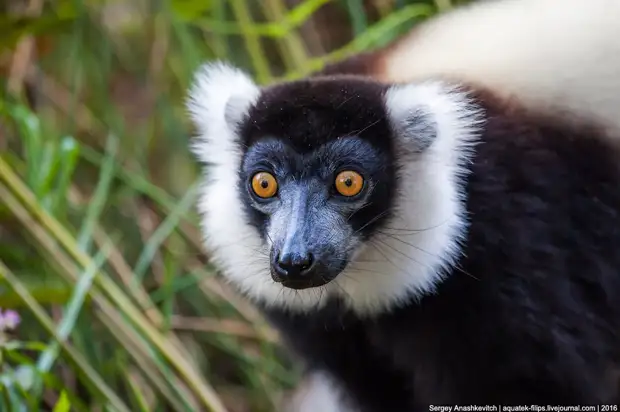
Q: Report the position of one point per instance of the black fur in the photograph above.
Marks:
(317, 128)
(532, 317)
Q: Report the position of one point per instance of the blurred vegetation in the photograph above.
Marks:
(100, 251)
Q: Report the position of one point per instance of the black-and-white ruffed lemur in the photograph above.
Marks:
(436, 221)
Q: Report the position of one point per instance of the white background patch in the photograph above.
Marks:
(554, 54)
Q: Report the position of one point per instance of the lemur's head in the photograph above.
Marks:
(334, 186)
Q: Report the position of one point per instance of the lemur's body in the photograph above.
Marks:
(529, 316)
(426, 242)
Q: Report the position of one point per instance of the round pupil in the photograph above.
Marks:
(264, 184)
(348, 182)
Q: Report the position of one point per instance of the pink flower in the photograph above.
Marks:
(9, 320)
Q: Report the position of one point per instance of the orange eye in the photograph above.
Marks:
(349, 183)
(264, 185)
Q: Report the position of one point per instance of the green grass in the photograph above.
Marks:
(100, 251)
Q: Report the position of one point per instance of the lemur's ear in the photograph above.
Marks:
(410, 116)
(218, 99)
(220, 94)
(420, 113)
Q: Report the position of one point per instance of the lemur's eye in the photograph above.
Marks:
(264, 185)
(349, 183)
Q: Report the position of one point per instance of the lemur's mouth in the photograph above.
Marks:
(305, 283)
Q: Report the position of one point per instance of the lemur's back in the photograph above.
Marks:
(563, 54)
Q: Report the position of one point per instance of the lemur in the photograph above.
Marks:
(436, 221)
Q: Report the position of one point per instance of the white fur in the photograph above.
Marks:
(218, 89)
(423, 240)
(229, 239)
(552, 54)
(402, 266)
(318, 393)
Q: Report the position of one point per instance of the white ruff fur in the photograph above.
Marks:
(318, 393)
(401, 267)
(423, 239)
(554, 54)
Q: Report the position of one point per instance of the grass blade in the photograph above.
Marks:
(100, 196)
(90, 375)
(73, 308)
(201, 388)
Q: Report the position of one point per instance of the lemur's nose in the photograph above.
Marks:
(294, 265)
(294, 270)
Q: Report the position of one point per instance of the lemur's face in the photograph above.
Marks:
(328, 187)
(317, 176)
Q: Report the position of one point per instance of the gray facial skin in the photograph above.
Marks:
(310, 235)
(311, 229)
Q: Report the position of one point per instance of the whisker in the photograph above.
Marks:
(268, 237)
(322, 290)
(348, 276)
(358, 210)
(362, 270)
(402, 253)
(342, 289)
(456, 267)
(374, 219)
(389, 260)
(363, 129)
(408, 244)
(417, 230)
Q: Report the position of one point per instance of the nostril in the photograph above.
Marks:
(295, 265)
(306, 262)
(284, 262)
